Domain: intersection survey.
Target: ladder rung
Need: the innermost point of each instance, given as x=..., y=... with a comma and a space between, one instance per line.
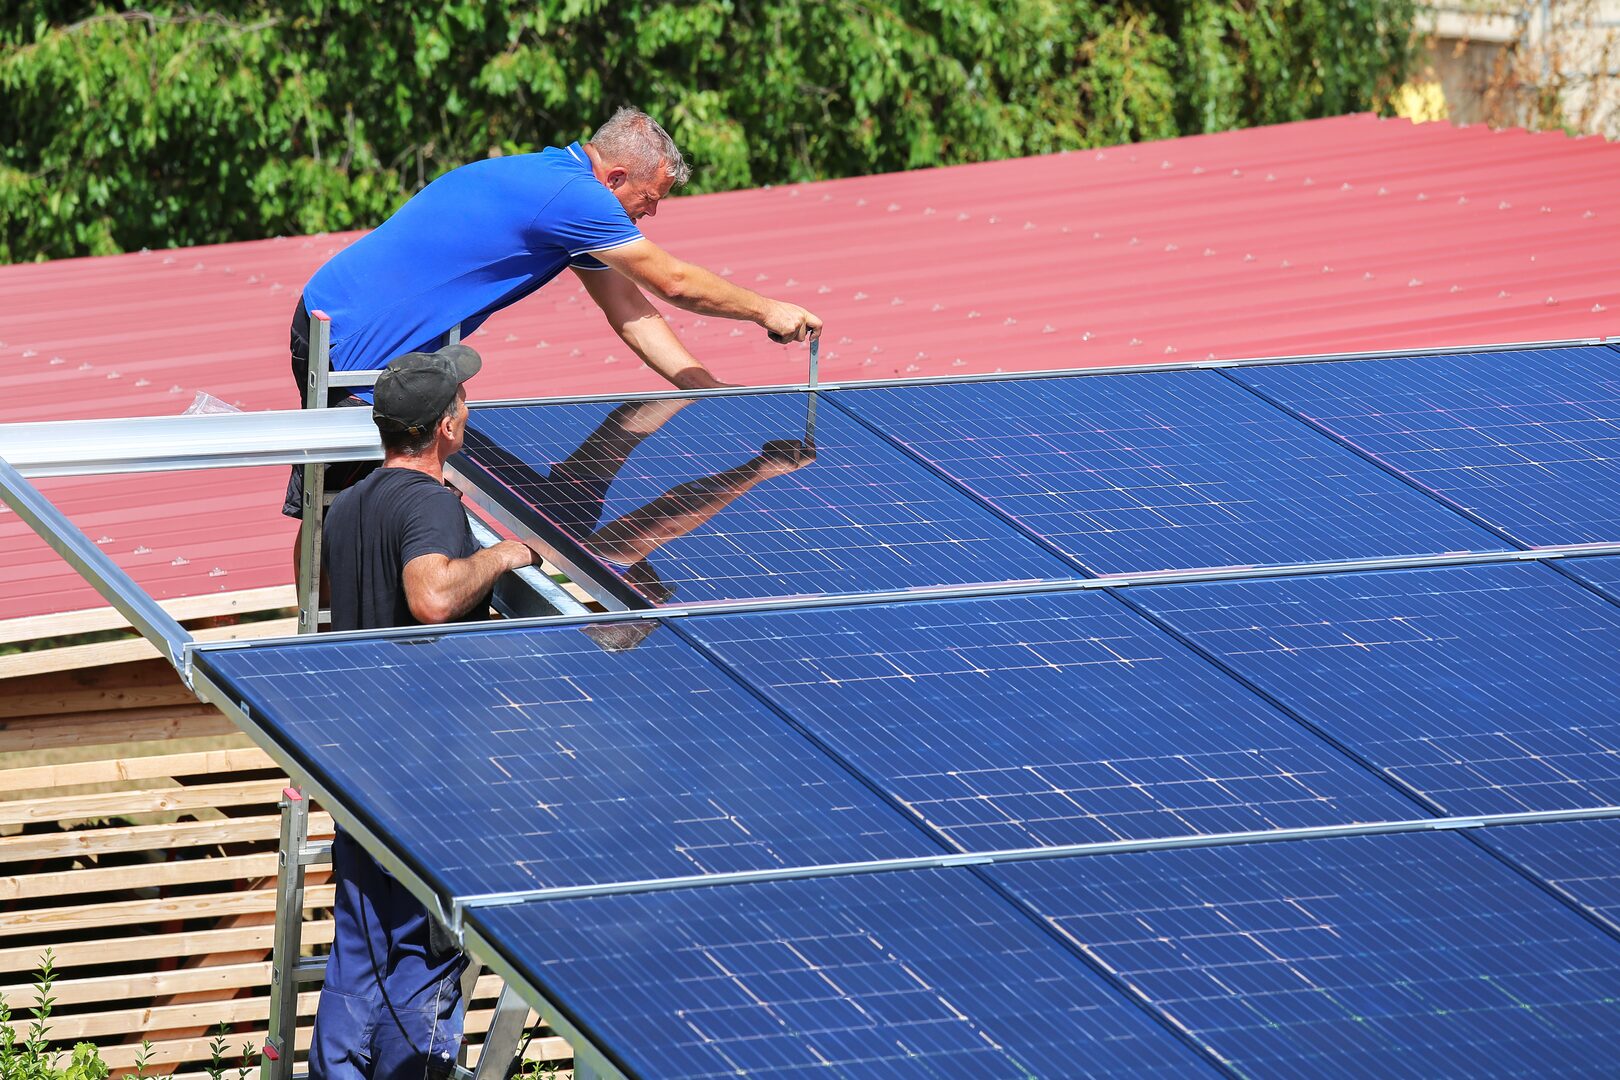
x=317, y=853
x=309, y=969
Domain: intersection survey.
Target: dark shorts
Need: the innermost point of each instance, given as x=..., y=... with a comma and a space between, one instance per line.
x=339, y=475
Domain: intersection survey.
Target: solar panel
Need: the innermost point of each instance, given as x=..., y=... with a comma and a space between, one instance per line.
x=1411, y=955
x=1489, y=689
x=1580, y=858
x=1171, y=470
x=516, y=759
x=1529, y=440
x=698, y=502
x=1033, y=721
x=1601, y=573
x=914, y=974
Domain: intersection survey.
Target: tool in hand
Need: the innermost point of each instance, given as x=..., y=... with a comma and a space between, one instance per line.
x=810, y=418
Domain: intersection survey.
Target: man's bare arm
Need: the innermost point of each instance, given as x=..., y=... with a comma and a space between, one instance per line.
x=645, y=331
x=693, y=288
x=439, y=588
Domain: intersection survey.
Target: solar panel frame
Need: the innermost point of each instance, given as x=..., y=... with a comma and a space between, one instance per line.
x=543, y=943
x=906, y=695
x=1210, y=936
x=545, y=770
x=1268, y=633
x=1433, y=448
x=1163, y=471
x=927, y=534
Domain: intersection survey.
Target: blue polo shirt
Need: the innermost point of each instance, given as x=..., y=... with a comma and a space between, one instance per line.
x=475, y=240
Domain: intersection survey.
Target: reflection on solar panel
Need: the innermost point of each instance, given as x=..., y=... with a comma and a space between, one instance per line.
x=648, y=488
x=1173, y=470
x=1601, y=573
x=507, y=759
x=1031, y=721
x=1490, y=689
x=917, y=974
x=1582, y=858
x=1415, y=955
x=1530, y=441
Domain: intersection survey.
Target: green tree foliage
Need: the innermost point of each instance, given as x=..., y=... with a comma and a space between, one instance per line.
x=125, y=127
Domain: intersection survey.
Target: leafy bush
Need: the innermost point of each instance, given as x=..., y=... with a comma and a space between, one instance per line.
x=30, y=1059
x=131, y=127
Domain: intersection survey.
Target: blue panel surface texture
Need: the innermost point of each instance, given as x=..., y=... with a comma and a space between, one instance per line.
x=915, y=974
x=1407, y=955
x=1490, y=689
x=1164, y=471
x=513, y=759
x=1529, y=441
x=1033, y=721
x=1581, y=858
x=716, y=500
x=1602, y=573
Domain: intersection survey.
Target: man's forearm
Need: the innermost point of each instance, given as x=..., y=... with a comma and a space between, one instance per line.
x=449, y=588
x=692, y=288
x=651, y=338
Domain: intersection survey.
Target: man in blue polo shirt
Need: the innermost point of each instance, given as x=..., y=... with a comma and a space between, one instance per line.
x=488, y=234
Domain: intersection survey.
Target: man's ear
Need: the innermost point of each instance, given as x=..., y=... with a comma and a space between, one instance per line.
x=616, y=176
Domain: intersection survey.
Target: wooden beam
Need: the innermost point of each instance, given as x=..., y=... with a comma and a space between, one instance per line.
x=120, y=726
x=86, y=881
x=148, y=984
x=53, y=701
x=144, y=801
x=184, y=609
x=129, y=912
x=125, y=650
x=204, y=1014
x=134, y=768
x=85, y=842
x=157, y=946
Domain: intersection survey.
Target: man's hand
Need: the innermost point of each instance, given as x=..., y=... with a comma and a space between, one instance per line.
x=697, y=377
x=782, y=456
x=789, y=322
x=516, y=554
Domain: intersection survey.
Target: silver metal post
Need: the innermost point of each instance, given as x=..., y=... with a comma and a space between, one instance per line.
x=537, y=594
x=109, y=579
x=309, y=536
x=281, y=1040
x=505, y=1035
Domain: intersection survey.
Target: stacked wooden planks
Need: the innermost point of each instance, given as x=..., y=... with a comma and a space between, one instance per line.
x=138, y=837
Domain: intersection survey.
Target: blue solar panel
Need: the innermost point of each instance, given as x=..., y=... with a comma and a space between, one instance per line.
x=1529, y=441
x=1414, y=955
x=693, y=503
x=916, y=974
x=1580, y=858
x=513, y=759
x=1174, y=470
x=1491, y=689
x=1033, y=721
x=1601, y=573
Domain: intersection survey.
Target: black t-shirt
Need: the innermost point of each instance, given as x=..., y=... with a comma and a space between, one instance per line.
x=377, y=526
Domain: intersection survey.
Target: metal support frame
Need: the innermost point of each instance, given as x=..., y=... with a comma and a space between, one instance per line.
x=288, y=970
x=309, y=532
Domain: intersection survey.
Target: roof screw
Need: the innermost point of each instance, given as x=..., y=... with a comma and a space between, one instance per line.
x=993, y=219
x=1327, y=269
x=1546, y=209
x=1248, y=258
x=1503, y=295
x=937, y=307
x=973, y=315
x=1208, y=252
x=1168, y=349
x=928, y=211
x=1505, y=205
x=1414, y=283
x=1136, y=341
x=896, y=302
x=1048, y=329
x=1087, y=336
x=1009, y=321
x=1172, y=247
x=824, y=290
x=893, y=207
x=1456, y=288
x=218, y=571
x=860, y=296
x=1552, y=301
x=1596, y=308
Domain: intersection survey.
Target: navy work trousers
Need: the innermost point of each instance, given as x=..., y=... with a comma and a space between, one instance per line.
x=391, y=1006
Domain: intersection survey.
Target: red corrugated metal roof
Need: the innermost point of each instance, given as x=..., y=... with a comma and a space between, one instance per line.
x=1333, y=235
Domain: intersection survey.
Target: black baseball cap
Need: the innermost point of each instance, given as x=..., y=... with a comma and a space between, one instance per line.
x=414, y=390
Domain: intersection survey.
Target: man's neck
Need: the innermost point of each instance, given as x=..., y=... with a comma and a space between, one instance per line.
x=428, y=463
x=598, y=170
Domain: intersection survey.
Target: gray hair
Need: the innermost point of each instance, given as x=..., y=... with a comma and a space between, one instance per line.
x=634, y=139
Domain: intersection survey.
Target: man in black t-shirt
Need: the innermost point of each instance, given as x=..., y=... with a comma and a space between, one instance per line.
x=398, y=551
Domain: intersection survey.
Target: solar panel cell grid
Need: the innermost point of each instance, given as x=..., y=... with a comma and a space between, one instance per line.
x=1174, y=470
x=915, y=974
x=1528, y=440
x=1581, y=858
x=1489, y=689
x=1600, y=573
x=511, y=759
x=1031, y=721
x=1412, y=955
x=717, y=500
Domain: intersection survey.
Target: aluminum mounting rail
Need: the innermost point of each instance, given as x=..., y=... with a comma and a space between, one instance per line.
x=163, y=443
